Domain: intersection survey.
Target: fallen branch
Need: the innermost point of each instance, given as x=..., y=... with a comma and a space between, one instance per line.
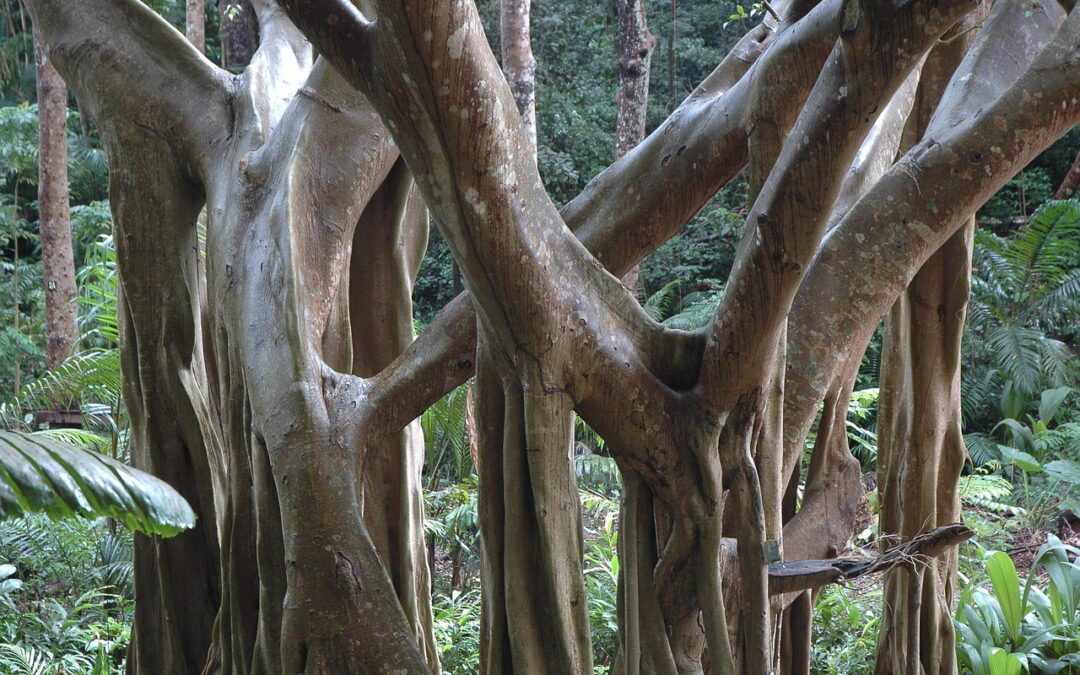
x=800, y=575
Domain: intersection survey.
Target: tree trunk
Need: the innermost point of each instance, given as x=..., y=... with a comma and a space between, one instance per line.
x=1070, y=182
x=239, y=33
x=195, y=24
x=920, y=439
x=54, y=213
x=634, y=45
x=275, y=410
x=518, y=63
x=920, y=456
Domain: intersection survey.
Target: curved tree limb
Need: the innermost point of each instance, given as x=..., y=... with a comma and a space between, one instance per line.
x=822, y=304
x=920, y=193
x=109, y=44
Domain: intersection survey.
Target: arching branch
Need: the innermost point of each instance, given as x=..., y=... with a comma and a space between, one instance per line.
x=107, y=45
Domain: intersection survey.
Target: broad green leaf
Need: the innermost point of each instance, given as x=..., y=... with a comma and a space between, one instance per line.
x=1064, y=470
x=1012, y=401
x=1006, y=585
x=42, y=474
x=1021, y=459
x=1004, y=663
x=1051, y=401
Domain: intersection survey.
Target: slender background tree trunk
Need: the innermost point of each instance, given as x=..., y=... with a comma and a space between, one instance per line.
x=518, y=63
x=1070, y=182
x=196, y=23
x=634, y=45
x=239, y=33
x=61, y=308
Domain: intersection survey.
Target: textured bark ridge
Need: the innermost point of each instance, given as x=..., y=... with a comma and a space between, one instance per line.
x=274, y=379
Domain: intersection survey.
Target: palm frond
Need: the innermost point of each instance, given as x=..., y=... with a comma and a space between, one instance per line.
x=1059, y=306
x=114, y=559
x=1019, y=353
x=21, y=660
x=1042, y=249
x=91, y=376
x=1055, y=356
x=977, y=392
x=39, y=474
x=981, y=448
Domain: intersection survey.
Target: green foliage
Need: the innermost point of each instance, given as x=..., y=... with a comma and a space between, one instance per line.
x=662, y=303
x=988, y=491
x=602, y=576
x=90, y=376
x=457, y=631
x=1018, y=198
x=22, y=348
x=434, y=285
x=17, y=77
x=98, y=281
x=1025, y=291
x=56, y=625
x=597, y=475
x=446, y=439
x=861, y=418
x=696, y=310
x=19, y=146
x=846, y=628
x=860, y=423
x=1012, y=626
x=91, y=226
x=702, y=254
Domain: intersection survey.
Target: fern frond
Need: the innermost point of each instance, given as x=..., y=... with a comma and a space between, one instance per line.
x=659, y=305
x=989, y=491
x=1042, y=249
x=697, y=310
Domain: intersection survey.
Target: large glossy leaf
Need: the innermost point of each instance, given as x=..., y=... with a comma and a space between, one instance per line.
x=41, y=474
x=1004, y=663
x=1006, y=584
x=1050, y=401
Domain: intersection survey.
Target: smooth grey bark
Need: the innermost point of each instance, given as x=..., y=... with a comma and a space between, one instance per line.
x=468, y=203
x=214, y=407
